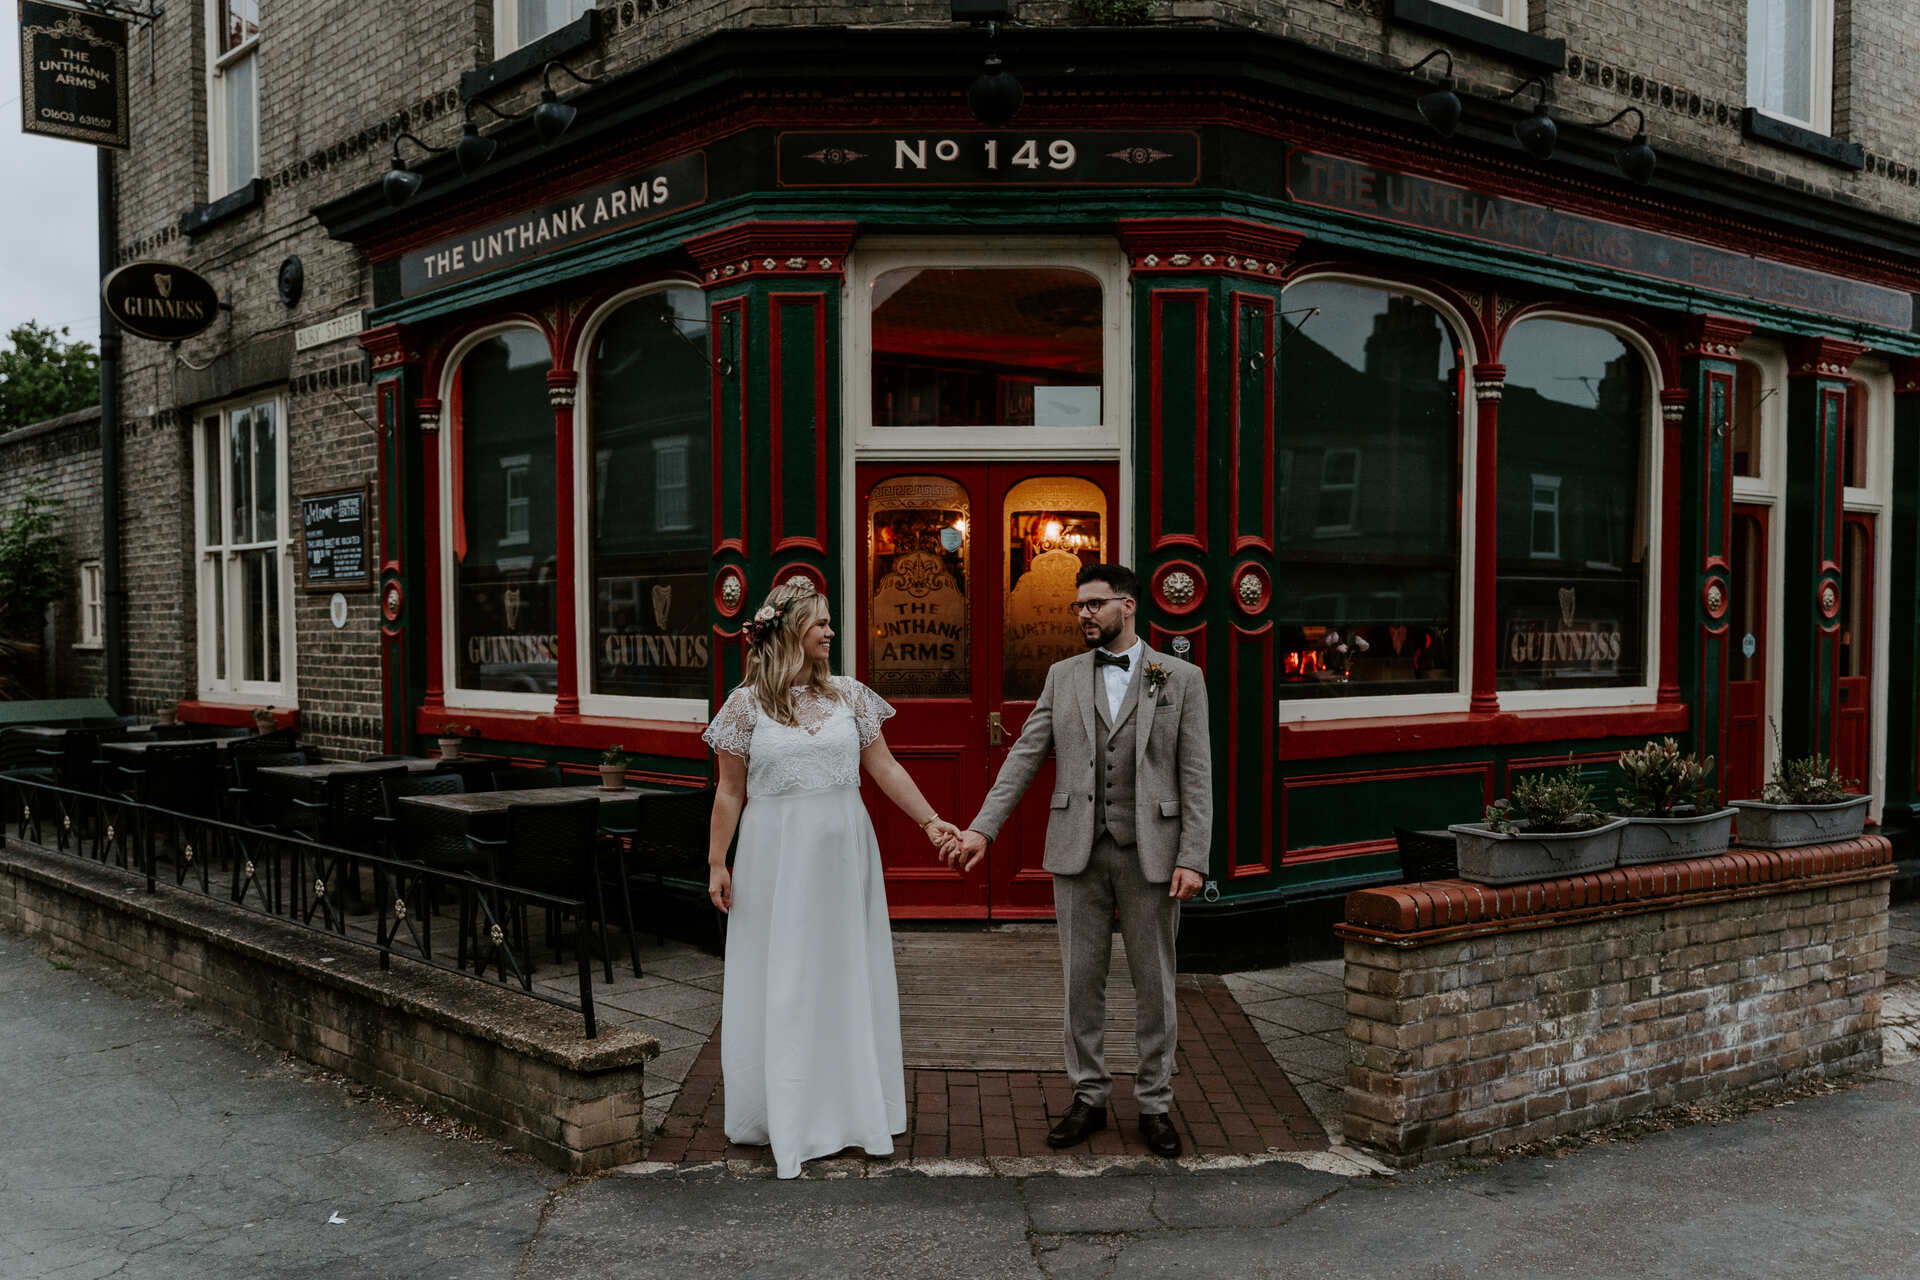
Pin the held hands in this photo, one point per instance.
(964, 850)
(939, 831)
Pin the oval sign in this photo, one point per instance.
(160, 300)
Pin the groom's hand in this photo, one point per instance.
(965, 854)
(1186, 884)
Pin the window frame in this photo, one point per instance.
(1820, 79)
(1876, 499)
(454, 695)
(1646, 693)
(1514, 12)
(91, 608)
(1350, 527)
(1535, 484)
(210, 679)
(1458, 699)
(506, 24)
(620, 705)
(218, 65)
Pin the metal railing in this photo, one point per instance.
(301, 882)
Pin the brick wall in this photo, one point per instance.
(516, 1069)
(62, 457)
(1548, 1017)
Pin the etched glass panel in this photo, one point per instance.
(919, 562)
(1053, 525)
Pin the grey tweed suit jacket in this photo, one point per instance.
(1172, 761)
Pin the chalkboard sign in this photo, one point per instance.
(334, 536)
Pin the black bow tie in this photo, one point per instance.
(1101, 658)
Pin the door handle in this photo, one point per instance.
(996, 735)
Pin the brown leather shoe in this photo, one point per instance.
(1081, 1122)
(1161, 1137)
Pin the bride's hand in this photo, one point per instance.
(942, 834)
(720, 888)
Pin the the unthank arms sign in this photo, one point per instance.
(73, 74)
(672, 185)
(1368, 191)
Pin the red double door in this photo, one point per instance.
(961, 604)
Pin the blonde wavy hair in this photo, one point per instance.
(776, 665)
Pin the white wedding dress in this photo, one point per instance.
(810, 1019)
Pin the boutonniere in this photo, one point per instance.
(1156, 677)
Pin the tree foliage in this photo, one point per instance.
(31, 576)
(43, 375)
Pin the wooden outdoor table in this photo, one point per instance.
(141, 747)
(485, 812)
(309, 781)
(52, 734)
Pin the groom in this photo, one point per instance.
(1130, 828)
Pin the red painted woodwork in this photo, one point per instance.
(1743, 768)
(1489, 380)
(943, 740)
(561, 384)
(1333, 739)
(1252, 422)
(1196, 246)
(747, 250)
(671, 738)
(1673, 403)
(1158, 538)
(1162, 639)
(429, 445)
(201, 711)
(723, 317)
(1249, 696)
(814, 539)
(1853, 705)
(1483, 769)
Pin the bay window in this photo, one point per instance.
(243, 572)
(1367, 587)
(1574, 519)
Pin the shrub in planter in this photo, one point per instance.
(613, 769)
(450, 736)
(1560, 835)
(1805, 802)
(1667, 798)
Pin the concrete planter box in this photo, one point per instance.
(1665, 839)
(1784, 826)
(1492, 857)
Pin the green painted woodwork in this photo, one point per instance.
(1811, 643)
(1358, 809)
(1706, 436)
(1902, 526)
(402, 506)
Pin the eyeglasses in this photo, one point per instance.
(1079, 607)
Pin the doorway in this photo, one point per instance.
(965, 576)
(1744, 771)
(1853, 721)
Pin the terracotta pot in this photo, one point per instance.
(449, 748)
(613, 777)
(167, 715)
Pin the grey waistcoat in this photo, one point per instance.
(1113, 769)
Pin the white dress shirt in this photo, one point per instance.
(1118, 678)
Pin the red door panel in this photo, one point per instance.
(1853, 727)
(1744, 771)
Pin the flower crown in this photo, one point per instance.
(764, 625)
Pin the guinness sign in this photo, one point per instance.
(160, 300)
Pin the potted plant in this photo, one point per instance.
(263, 720)
(167, 713)
(1667, 799)
(1805, 802)
(1561, 834)
(613, 769)
(450, 736)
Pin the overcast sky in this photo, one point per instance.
(49, 254)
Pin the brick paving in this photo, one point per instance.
(1229, 1098)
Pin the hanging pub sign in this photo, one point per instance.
(160, 300)
(333, 535)
(997, 158)
(73, 74)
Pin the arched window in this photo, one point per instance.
(1367, 588)
(650, 510)
(503, 551)
(1575, 519)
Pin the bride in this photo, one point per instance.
(810, 1015)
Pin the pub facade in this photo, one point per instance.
(1445, 459)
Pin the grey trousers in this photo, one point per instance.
(1149, 921)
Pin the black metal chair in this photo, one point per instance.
(1426, 855)
(669, 841)
(437, 841)
(555, 848)
(20, 757)
(182, 777)
(276, 740)
(527, 777)
(247, 801)
(347, 817)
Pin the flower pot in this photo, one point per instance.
(1494, 857)
(169, 714)
(449, 748)
(613, 777)
(263, 722)
(1783, 826)
(1664, 839)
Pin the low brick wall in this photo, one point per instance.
(1478, 1018)
(519, 1070)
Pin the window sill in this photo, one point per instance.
(502, 71)
(89, 646)
(1521, 48)
(202, 711)
(1326, 739)
(1761, 127)
(201, 218)
(675, 739)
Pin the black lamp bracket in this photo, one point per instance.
(1437, 53)
(1539, 85)
(1257, 360)
(719, 364)
(1639, 118)
(546, 76)
(424, 146)
(504, 115)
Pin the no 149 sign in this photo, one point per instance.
(1086, 157)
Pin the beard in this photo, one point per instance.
(1101, 636)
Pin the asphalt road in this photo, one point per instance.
(136, 1141)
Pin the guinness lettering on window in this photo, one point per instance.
(160, 300)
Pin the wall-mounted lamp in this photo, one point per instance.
(1537, 132)
(995, 95)
(1441, 107)
(1636, 159)
(554, 117)
(401, 183)
(474, 149)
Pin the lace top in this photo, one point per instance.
(822, 750)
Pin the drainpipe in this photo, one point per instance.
(113, 598)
